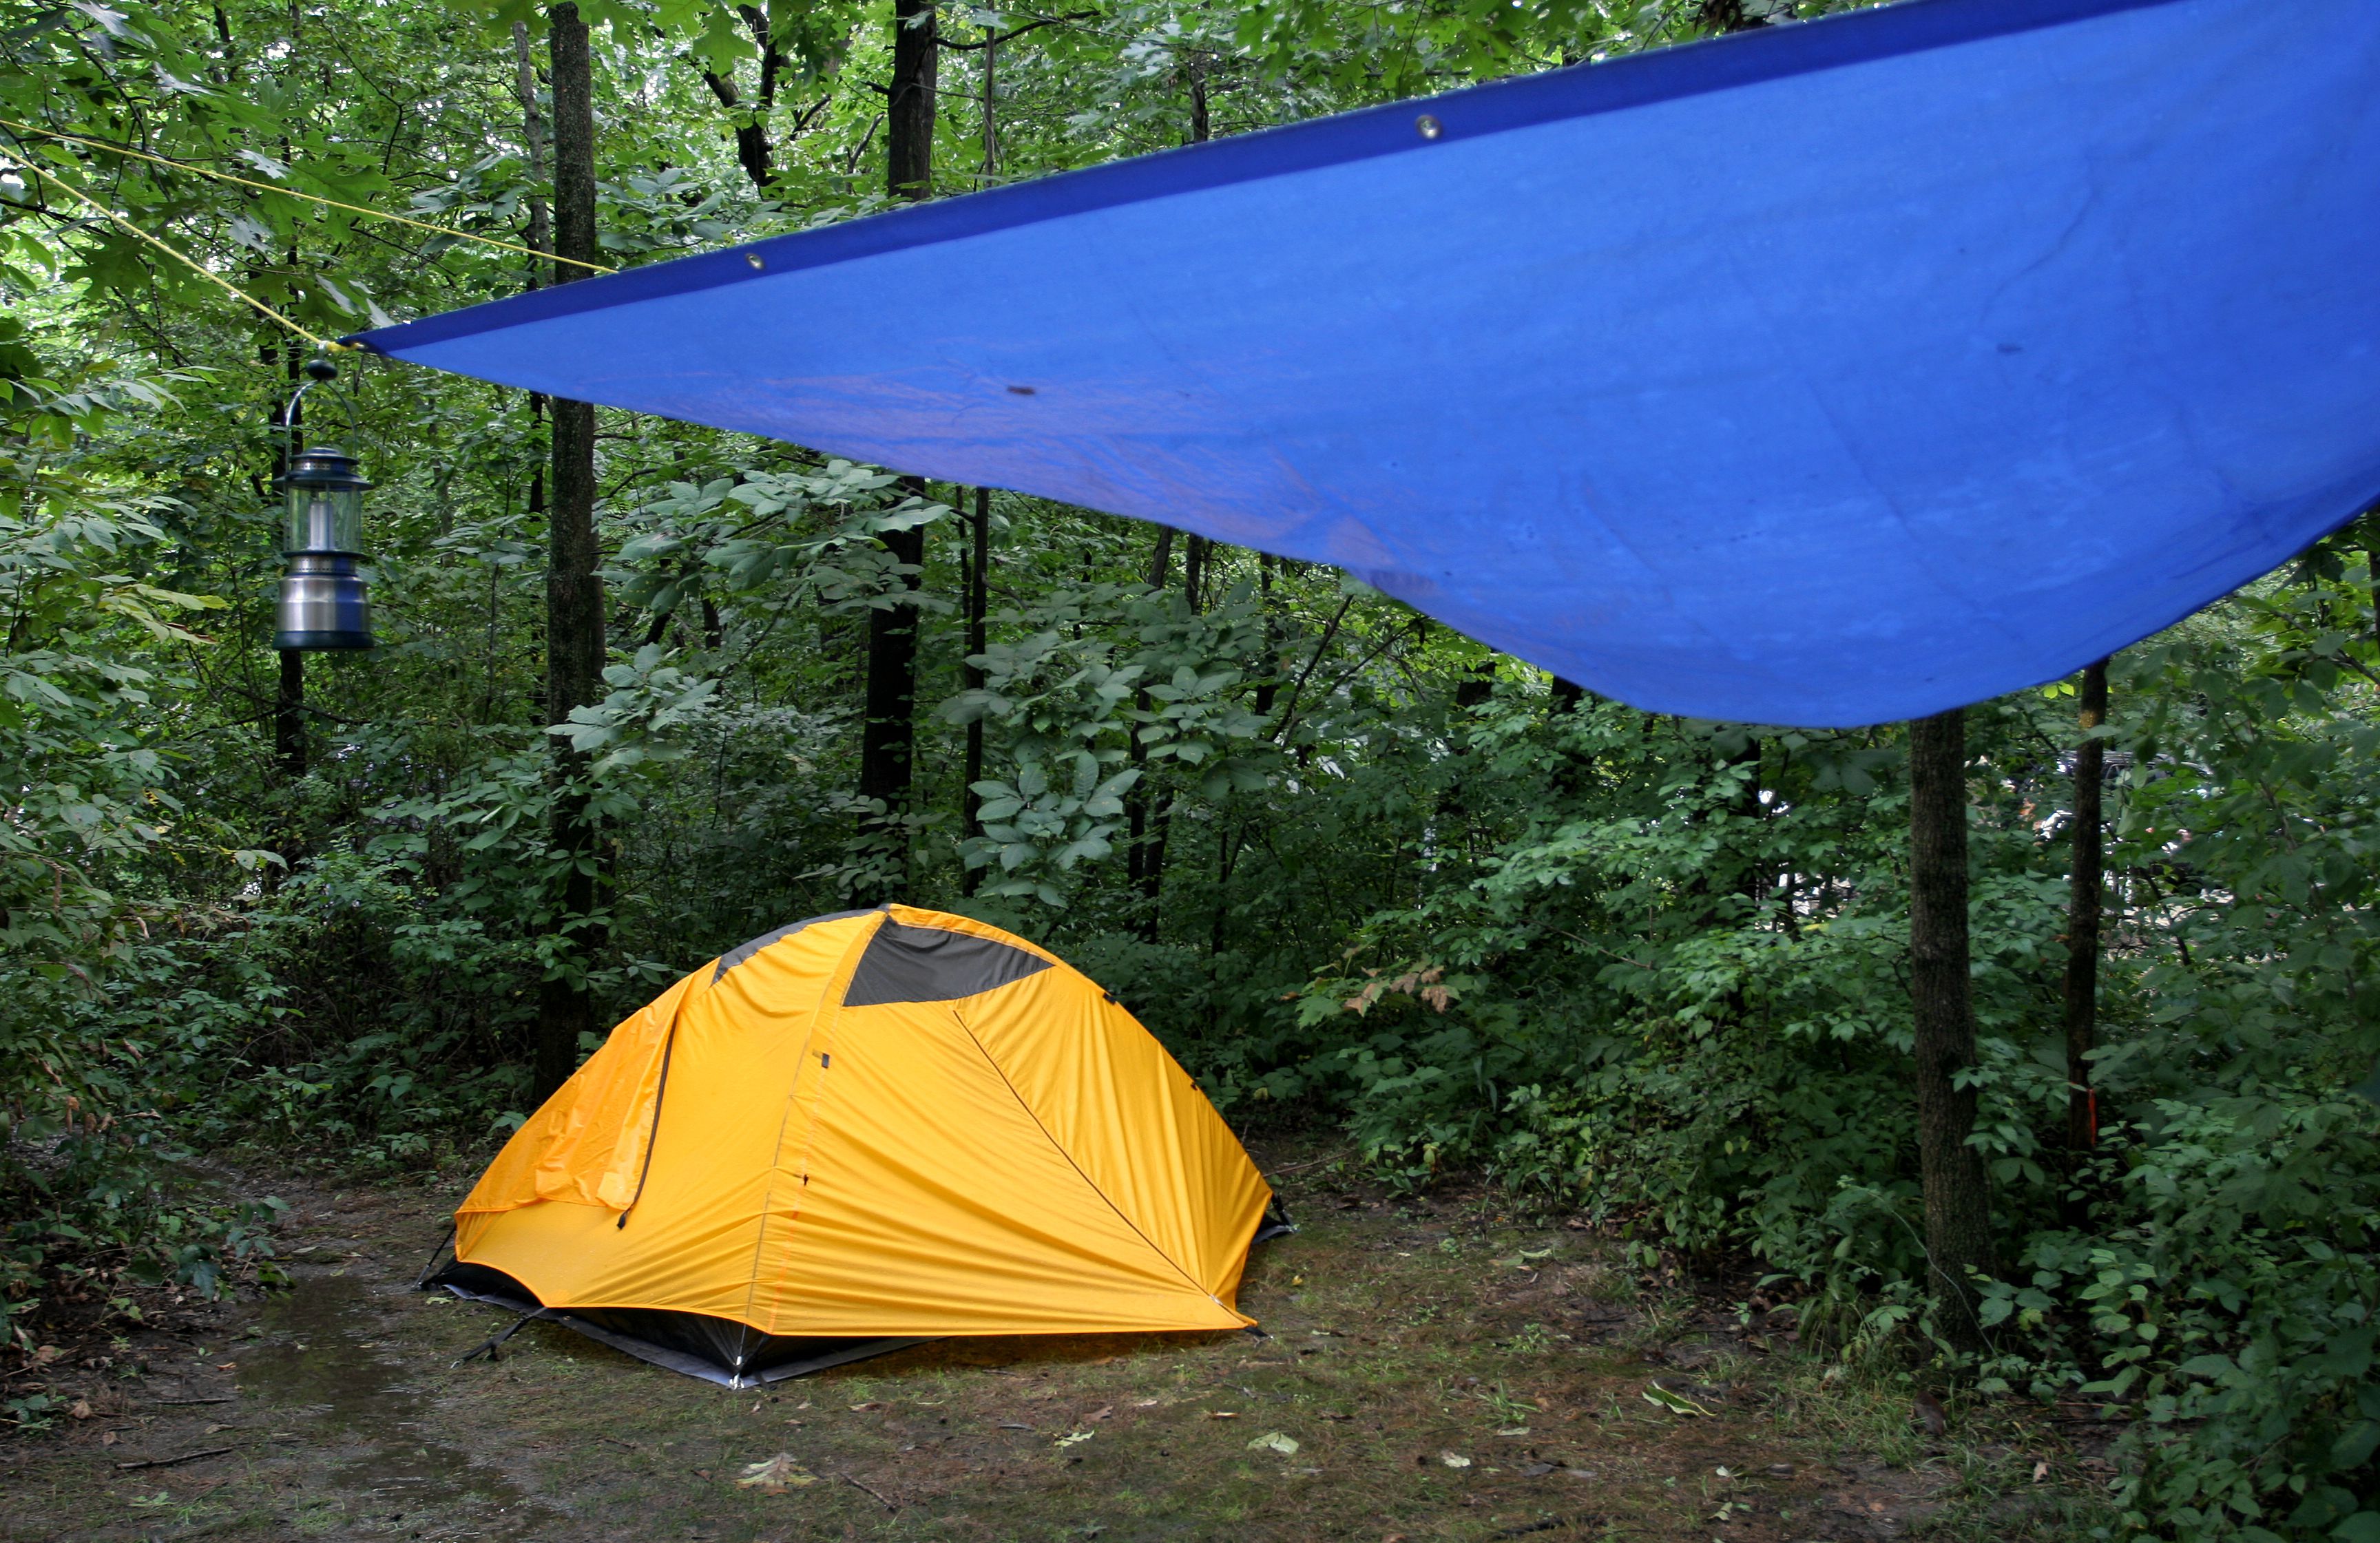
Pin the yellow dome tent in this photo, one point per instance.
(859, 1132)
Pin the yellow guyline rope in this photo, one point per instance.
(294, 193)
(190, 263)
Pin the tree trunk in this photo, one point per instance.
(909, 106)
(289, 717)
(1201, 125)
(1957, 1208)
(889, 730)
(574, 594)
(888, 733)
(1146, 848)
(979, 598)
(2083, 922)
(752, 149)
(1733, 16)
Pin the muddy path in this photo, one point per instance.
(1433, 1370)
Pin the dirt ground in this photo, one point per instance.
(1431, 1370)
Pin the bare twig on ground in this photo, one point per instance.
(864, 1488)
(169, 1462)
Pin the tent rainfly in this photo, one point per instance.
(857, 1133)
(1821, 374)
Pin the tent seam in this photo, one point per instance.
(1059, 1148)
(661, 1092)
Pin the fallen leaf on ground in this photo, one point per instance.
(871, 1404)
(108, 1440)
(228, 1366)
(1781, 1470)
(1676, 1404)
(81, 1409)
(2040, 1472)
(1147, 1403)
(1454, 1460)
(1578, 1473)
(1513, 1430)
(1273, 1441)
(1223, 1415)
(1074, 1438)
(1536, 1470)
(1100, 1414)
(776, 1475)
(1014, 1425)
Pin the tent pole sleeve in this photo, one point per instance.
(661, 1092)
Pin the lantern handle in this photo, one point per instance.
(318, 372)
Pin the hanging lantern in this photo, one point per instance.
(322, 600)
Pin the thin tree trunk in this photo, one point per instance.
(1152, 872)
(2372, 587)
(540, 239)
(1958, 1207)
(574, 594)
(1145, 852)
(979, 598)
(541, 225)
(290, 694)
(980, 569)
(991, 105)
(1195, 553)
(2083, 922)
(1267, 687)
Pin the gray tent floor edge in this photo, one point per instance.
(694, 1345)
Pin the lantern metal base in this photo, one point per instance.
(323, 603)
(318, 641)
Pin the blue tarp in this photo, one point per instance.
(1821, 375)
